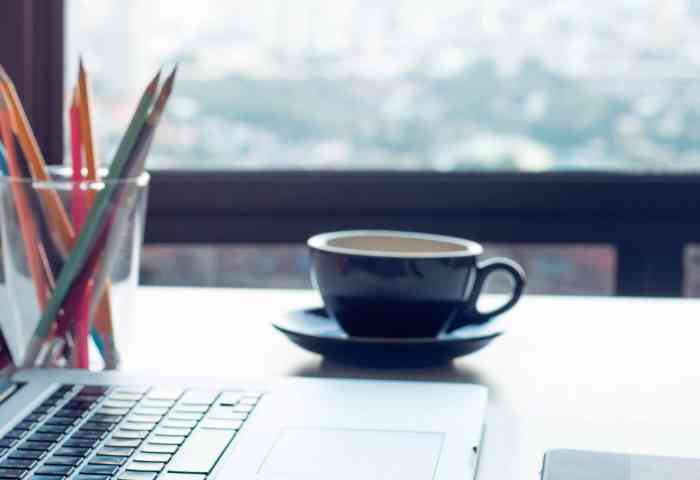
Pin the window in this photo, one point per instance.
(403, 85)
(523, 124)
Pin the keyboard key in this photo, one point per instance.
(191, 408)
(169, 423)
(229, 398)
(89, 434)
(72, 451)
(60, 421)
(44, 477)
(69, 413)
(165, 393)
(122, 442)
(87, 398)
(45, 437)
(157, 403)
(77, 405)
(57, 460)
(29, 445)
(58, 470)
(145, 467)
(12, 473)
(151, 411)
(98, 426)
(119, 404)
(54, 429)
(3, 451)
(130, 434)
(106, 418)
(170, 432)
(199, 397)
(8, 442)
(154, 448)
(35, 417)
(137, 426)
(222, 424)
(185, 416)
(226, 414)
(145, 418)
(27, 454)
(243, 408)
(15, 434)
(80, 442)
(112, 411)
(96, 390)
(42, 409)
(160, 440)
(182, 476)
(201, 451)
(128, 397)
(152, 457)
(137, 476)
(248, 401)
(90, 477)
(132, 389)
(116, 451)
(20, 463)
(99, 469)
(107, 460)
(25, 425)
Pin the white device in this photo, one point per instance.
(126, 427)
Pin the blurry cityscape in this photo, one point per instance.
(403, 84)
(517, 85)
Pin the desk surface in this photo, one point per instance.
(572, 372)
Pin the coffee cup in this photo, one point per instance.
(392, 284)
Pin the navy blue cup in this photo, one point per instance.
(379, 283)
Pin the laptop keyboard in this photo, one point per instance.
(90, 432)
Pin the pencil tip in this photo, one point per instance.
(81, 65)
(153, 85)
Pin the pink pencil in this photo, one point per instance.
(79, 212)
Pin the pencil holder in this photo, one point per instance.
(42, 222)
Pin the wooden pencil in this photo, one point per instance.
(27, 225)
(94, 228)
(136, 168)
(79, 206)
(62, 232)
(104, 327)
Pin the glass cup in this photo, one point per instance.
(40, 224)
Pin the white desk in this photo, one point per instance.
(599, 373)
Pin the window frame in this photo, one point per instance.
(647, 218)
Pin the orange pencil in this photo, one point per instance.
(103, 325)
(28, 228)
(62, 232)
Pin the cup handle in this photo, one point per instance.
(483, 270)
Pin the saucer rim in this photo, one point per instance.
(445, 338)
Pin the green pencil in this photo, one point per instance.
(92, 227)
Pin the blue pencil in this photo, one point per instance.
(3, 160)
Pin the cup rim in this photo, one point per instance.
(320, 242)
(65, 182)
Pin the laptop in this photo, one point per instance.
(61, 423)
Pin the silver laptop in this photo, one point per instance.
(96, 426)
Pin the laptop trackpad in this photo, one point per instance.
(312, 453)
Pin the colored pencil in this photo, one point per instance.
(103, 331)
(3, 160)
(62, 231)
(79, 208)
(93, 230)
(27, 226)
(136, 168)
